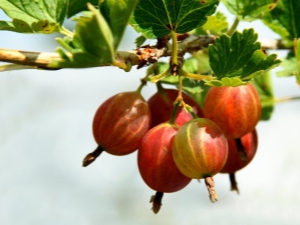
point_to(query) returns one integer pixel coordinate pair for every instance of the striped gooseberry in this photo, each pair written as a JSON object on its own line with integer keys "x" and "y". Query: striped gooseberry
{"x": 236, "y": 110}
{"x": 200, "y": 150}
{"x": 120, "y": 124}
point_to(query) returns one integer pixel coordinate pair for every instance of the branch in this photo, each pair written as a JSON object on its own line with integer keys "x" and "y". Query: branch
{"x": 273, "y": 44}
{"x": 141, "y": 57}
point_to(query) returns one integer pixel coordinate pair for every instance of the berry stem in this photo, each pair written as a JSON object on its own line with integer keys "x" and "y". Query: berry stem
{"x": 139, "y": 89}
{"x": 210, "y": 184}
{"x": 241, "y": 149}
{"x": 197, "y": 76}
{"x": 160, "y": 76}
{"x": 156, "y": 201}
{"x": 174, "y": 56}
{"x": 234, "y": 186}
{"x": 233, "y": 26}
{"x": 91, "y": 157}
{"x": 66, "y": 32}
{"x": 191, "y": 111}
{"x": 173, "y": 115}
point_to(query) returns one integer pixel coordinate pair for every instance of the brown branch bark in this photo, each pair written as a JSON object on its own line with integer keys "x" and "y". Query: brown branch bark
{"x": 140, "y": 57}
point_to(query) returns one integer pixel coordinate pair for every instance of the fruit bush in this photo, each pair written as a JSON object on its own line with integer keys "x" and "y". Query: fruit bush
{"x": 211, "y": 83}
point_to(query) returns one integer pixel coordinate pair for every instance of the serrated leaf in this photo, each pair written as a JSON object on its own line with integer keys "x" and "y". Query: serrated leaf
{"x": 157, "y": 18}
{"x": 264, "y": 87}
{"x": 34, "y": 16}
{"x": 239, "y": 56}
{"x": 77, "y": 6}
{"x": 117, "y": 14}
{"x": 226, "y": 81}
{"x": 88, "y": 49}
{"x": 274, "y": 24}
{"x": 215, "y": 25}
{"x": 249, "y": 10}
{"x": 284, "y": 19}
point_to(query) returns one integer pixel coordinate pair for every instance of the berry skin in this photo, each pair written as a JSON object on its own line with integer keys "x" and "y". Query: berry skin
{"x": 155, "y": 160}
{"x": 236, "y": 110}
{"x": 234, "y": 161}
{"x": 200, "y": 148}
{"x": 121, "y": 122}
{"x": 162, "y": 104}
{"x": 156, "y": 163}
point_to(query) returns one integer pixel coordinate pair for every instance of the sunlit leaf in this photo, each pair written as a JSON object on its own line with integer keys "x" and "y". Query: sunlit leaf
{"x": 157, "y": 18}
{"x": 239, "y": 57}
{"x": 88, "y": 49}
{"x": 34, "y": 16}
{"x": 215, "y": 25}
{"x": 249, "y": 10}
{"x": 117, "y": 14}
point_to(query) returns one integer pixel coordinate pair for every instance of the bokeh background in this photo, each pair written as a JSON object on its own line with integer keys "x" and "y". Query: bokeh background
{"x": 45, "y": 131}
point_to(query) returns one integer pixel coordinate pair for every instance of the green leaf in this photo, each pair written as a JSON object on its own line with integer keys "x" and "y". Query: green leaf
{"x": 157, "y": 18}
{"x": 200, "y": 62}
{"x": 289, "y": 67}
{"x": 34, "y": 16}
{"x": 117, "y": 14}
{"x": 284, "y": 19}
{"x": 239, "y": 56}
{"x": 191, "y": 65}
{"x": 157, "y": 68}
{"x": 190, "y": 86}
{"x": 194, "y": 88}
{"x": 297, "y": 53}
{"x": 77, "y": 6}
{"x": 226, "y": 81}
{"x": 215, "y": 25}
{"x": 264, "y": 87}
{"x": 249, "y": 10}
{"x": 139, "y": 41}
{"x": 87, "y": 49}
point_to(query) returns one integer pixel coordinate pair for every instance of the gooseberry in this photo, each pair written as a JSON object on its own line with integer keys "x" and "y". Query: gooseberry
{"x": 156, "y": 163}
{"x": 200, "y": 150}
{"x": 236, "y": 110}
{"x": 162, "y": 104}
{"x": 120, "y": 124}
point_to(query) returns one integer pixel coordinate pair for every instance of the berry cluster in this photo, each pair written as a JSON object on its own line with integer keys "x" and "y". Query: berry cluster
{"x": 177, "y": 140}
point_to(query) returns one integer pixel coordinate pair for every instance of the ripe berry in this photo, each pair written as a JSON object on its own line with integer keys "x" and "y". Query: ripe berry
{"x": 246, "y": 145}
{"x": 162, "y": 104}
{"x": 236, "y": 110}
{"x": 200, "y": 150}
{"x": 120, "y": 124}
{"x": 156, "y": 163}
